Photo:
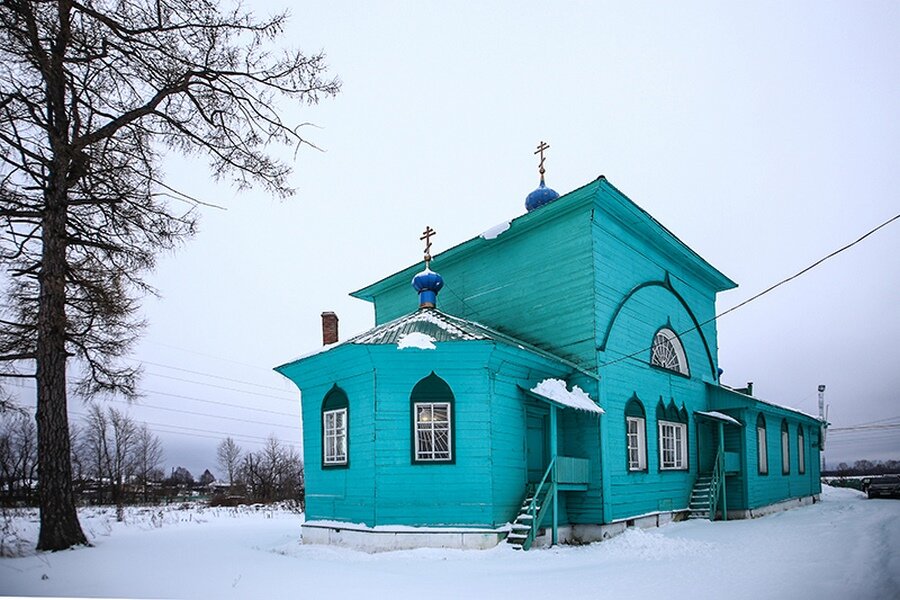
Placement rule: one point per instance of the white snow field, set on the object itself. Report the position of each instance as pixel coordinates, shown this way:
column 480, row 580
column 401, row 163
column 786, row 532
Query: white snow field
column 843, row 547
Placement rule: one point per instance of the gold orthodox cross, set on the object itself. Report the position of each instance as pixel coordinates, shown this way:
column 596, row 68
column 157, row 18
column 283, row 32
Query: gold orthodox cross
column 426, row 235
column 540, row 150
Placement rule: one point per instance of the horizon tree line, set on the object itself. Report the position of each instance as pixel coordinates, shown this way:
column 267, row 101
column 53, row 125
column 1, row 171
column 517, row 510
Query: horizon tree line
column 116, row 460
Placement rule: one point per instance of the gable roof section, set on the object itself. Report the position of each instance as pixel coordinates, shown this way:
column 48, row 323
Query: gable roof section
column 726, row 397
column 644, row 226
column 440, row 327
column 599, row 191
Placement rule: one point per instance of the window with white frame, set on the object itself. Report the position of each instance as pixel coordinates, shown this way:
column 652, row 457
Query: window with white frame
column 801, row 450
column 433, row 432
column 785, row 449
column 672, row 445
column 667, row 352
column 335, row 429
column 637, row 444
column 335, row 436
column 762, row 454
column 433, row 411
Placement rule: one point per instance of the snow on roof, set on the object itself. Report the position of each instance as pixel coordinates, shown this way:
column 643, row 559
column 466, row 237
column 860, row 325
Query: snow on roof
column 577, row 398
column 416, row 339
column 495, row 231
column 714, row 414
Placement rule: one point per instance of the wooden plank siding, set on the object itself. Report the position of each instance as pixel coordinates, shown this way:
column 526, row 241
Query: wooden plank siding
column 343, row 494
column 532, row 283
column 591, row 279
column 763, row 489
column 419, row 494
column 638, row 290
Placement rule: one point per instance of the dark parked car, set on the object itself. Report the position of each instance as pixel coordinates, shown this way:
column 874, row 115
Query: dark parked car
column 884, row 487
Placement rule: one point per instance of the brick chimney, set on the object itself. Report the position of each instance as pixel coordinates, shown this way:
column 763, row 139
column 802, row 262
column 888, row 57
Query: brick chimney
column 329, row 328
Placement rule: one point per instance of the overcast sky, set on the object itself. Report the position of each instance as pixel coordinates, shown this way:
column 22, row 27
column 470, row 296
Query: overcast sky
column 764, row 135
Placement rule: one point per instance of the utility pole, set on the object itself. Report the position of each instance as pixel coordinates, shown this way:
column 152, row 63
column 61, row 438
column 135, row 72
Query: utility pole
column 822, row 419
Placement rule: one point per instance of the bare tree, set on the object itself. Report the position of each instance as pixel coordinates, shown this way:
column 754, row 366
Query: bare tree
column 92, row 94
column 124, row 434
column 110, row 447
column 18, row 455
column 275, row 472
column 93, row 447
column 148, row 454
column 228, row 455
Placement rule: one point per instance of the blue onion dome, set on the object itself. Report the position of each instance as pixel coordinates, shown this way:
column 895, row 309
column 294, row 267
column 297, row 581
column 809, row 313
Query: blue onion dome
column 428, row 284
column 539, row 197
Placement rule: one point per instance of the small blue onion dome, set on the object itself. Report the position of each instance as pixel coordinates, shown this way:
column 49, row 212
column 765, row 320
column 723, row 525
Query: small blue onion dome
column 428, row 284
column 539, row 197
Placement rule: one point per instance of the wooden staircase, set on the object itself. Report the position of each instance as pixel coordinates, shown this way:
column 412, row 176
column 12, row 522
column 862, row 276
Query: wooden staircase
column 700, row 497
column 538, row 498
column 706, row 491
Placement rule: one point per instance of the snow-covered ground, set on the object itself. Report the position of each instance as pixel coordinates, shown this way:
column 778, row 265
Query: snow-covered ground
column 844, row 547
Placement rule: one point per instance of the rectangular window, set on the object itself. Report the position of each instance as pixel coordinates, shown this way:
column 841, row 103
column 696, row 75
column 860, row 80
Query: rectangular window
column 785, row 453
column 432, row 433
column 762, row 454
column 801, row 454
column 672, row 445
column 637, row 446
column 335, row 425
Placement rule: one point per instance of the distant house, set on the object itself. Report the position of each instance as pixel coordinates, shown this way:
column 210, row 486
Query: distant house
column 564, row 387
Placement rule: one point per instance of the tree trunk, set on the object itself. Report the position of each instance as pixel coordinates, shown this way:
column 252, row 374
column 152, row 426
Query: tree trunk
column 59, row 521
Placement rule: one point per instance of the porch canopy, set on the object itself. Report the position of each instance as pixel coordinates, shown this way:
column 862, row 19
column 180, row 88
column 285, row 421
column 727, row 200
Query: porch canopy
column 555, row 393
column 714, row 415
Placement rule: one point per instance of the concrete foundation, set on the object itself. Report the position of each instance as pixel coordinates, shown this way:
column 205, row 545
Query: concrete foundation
column 406, row 538
column 769, row 509
column 384, row 539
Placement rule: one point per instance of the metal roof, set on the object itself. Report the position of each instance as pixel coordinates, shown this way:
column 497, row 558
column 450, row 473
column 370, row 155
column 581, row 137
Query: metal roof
column 439, row 326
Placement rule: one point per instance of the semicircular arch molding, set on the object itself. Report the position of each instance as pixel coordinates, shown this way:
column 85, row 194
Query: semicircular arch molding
column 666, row 285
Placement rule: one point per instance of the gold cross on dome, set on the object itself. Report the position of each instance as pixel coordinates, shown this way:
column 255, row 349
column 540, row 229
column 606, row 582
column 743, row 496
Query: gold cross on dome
column 426, row 235
column 540, row 150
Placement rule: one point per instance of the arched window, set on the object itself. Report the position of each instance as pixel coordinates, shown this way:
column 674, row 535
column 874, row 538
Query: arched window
column 668, row 353
column 432, row 411
column 636, row 435
column 673, row 437
column 762, row 453
column 335, row 429
column 801, row 450
column 785, row 449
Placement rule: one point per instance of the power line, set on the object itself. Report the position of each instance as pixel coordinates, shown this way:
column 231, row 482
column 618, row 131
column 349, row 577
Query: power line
column 768, row 289
column 268, row 369
column 221, row 387
column 273, row 412
column 165, row 366
column 864, row 428
column 253, row 439
column 201, row 414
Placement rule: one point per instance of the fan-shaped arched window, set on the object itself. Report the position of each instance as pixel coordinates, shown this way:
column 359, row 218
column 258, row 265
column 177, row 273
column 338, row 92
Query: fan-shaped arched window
column 785, row 449
column 762, row 454
column 636, row 435
column 668, row 353
column 801, row 450
column 335, row 429
column 432, row 406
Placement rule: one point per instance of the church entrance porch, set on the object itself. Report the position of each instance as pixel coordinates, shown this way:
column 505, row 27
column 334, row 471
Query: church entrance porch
column 717, row 461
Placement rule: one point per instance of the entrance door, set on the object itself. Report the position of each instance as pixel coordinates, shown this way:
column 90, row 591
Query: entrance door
column 537, row 445
column 707, row 445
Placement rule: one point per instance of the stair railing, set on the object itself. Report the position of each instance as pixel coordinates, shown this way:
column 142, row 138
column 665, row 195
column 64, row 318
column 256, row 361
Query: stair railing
column 717, row 480
column 540, row 502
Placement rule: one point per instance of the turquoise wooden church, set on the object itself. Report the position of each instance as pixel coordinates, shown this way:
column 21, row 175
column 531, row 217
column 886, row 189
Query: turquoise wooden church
column 558, row 381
